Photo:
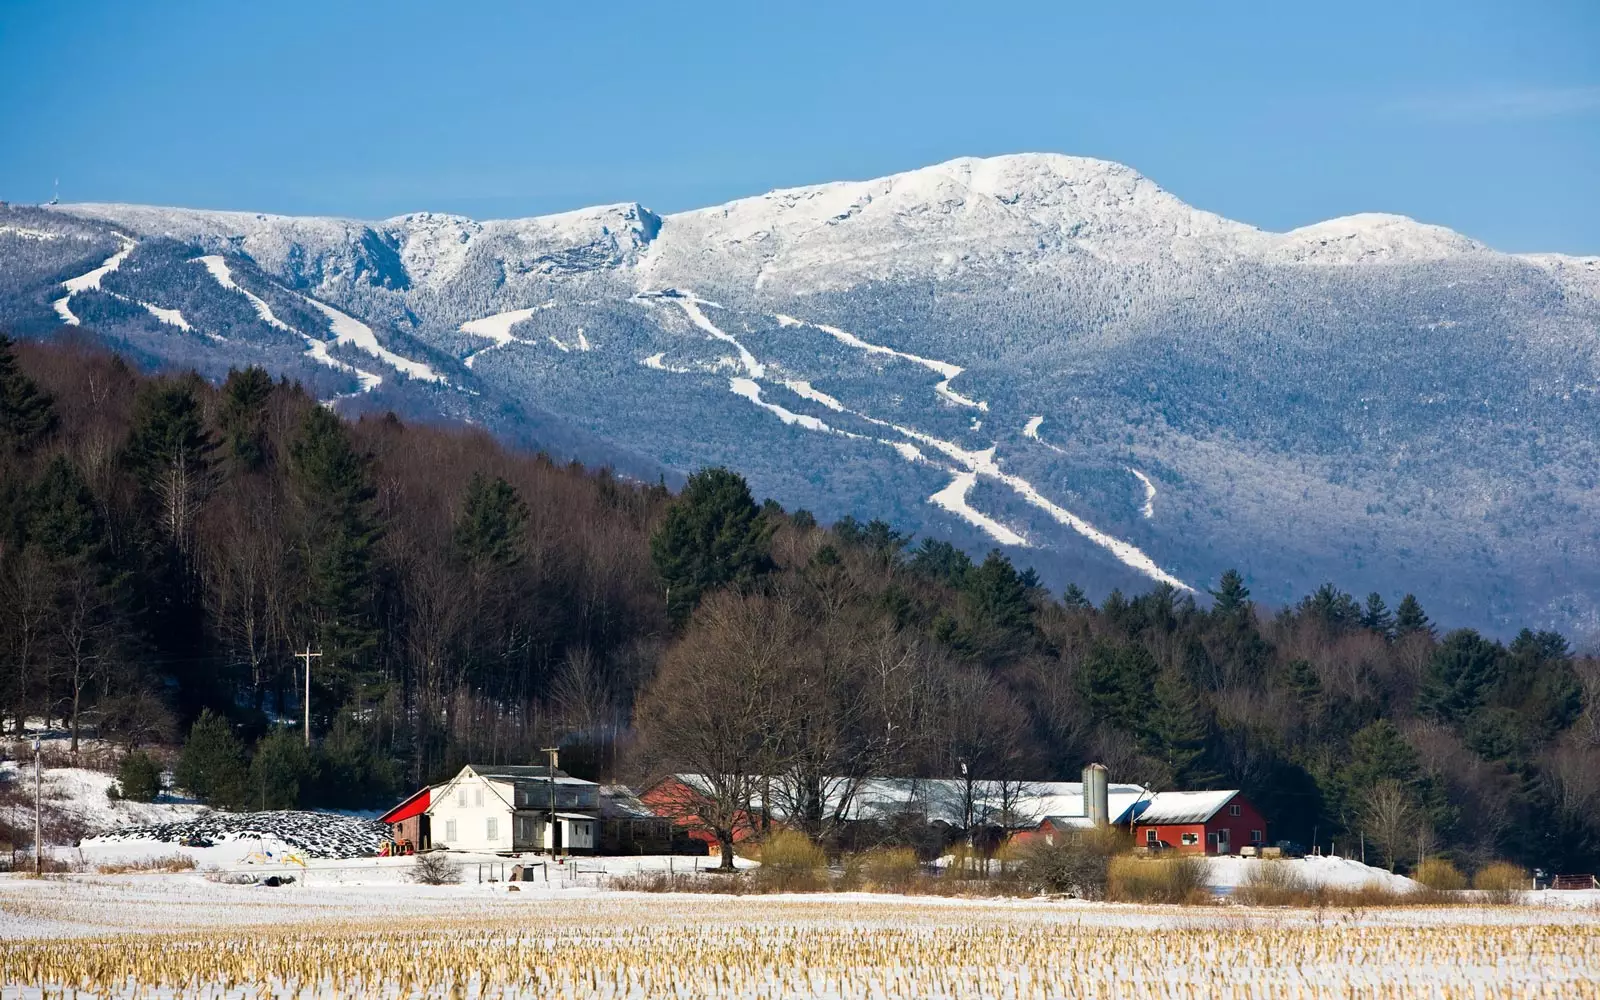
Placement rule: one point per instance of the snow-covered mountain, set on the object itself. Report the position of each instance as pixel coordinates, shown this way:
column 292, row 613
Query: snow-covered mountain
column 1047, row 353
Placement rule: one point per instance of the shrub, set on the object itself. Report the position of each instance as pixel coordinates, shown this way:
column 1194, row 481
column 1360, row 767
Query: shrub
column 1440, row 875
column 1502, row 881
column 1078, row 867
column 890, row 869
column 1133, row 879
column 169, row 863
column 1274, row 883
column 790, row 862
column 435, row 868
column 138, row 778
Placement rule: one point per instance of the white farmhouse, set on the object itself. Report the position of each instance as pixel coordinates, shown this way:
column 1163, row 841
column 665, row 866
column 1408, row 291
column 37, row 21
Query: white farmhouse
column 504, row 809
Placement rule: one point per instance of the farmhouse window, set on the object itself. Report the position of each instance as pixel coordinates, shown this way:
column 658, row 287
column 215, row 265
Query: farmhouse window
column 449, row 831
column 1192, row 838
column 461, row 797
column 477, row 797
column 1151, row 837
column 1256, row 836
column 493, row 831
column 1234, row 810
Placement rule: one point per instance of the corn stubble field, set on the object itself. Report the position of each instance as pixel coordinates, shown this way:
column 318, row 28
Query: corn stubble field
column 616, row 946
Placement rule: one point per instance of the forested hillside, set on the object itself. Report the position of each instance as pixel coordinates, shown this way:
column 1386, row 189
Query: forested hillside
column 167, row 546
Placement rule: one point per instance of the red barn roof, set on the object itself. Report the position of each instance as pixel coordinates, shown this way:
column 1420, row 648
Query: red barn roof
column 416, row 804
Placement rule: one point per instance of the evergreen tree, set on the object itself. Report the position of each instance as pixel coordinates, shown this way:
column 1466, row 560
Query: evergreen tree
column 1302, row 679
column 1175, row 731
column 138, row 777
column 280, row 768
column 713, row 536
column 941, row 561
column 1409, row 619
column 212, row 763
column 333, row 485
column 64, row 520
column 169, row 453
column 1336, row 610
column 1117, row 682
column 27, row 413
column 242, row 416
column 1376, row 617
column 1231, row 597
column 489, row 529
column 1463, row 671
column 1074, row 597
column 998, row 598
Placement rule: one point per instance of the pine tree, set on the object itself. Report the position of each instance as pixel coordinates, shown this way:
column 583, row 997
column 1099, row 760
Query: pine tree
column 27, row 413
column 1409, row 619
column 333, row 485
column 1118, row 683
column 1231, row 597
column 489, row 530
column 941, row 561
column 212, row 762
column 1175, row 731
column 1074, row 597
column 1463, row 671
column 242, row 416
column 998, row 597
column 1376, row 617
column 64, row 520
column 713, row 536
column 280, row 768
column 169, row 452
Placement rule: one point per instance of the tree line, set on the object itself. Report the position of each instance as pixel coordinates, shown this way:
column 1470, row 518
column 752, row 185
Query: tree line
column 167, row 546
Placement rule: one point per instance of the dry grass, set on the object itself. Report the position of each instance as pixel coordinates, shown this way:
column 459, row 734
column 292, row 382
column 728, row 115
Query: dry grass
column 1440, row 875
column 169, row 863
column 715, row 949
column 1501, row 882
column 1180, row 879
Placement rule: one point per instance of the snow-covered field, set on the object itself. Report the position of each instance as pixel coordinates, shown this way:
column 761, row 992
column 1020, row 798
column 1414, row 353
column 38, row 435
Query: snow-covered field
column 180, row 935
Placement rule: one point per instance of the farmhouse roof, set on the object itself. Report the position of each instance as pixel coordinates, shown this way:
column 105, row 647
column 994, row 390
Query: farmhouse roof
column 1182, row 807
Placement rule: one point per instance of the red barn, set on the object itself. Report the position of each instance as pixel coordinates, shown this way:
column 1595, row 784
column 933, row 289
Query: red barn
column 676, row 798
column 408, row 822
column 1199, row 822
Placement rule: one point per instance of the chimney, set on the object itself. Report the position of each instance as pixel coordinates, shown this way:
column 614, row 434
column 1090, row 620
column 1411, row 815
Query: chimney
column 1096, row 794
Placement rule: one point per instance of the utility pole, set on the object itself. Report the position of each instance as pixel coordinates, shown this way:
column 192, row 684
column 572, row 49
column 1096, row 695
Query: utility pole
column 555, row 755
column 308, row 656
column 38, row 815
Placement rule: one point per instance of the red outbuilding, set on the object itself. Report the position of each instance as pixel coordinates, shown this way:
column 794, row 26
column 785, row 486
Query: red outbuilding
column 1199, row 822
column 408, row 823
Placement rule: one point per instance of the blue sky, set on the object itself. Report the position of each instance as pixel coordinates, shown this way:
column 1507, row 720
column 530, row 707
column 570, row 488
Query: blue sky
column 1481, row 116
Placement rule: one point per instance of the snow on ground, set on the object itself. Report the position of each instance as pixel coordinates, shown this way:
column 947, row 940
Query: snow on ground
column 218, row 266
column 691, row 308
column 310, row 834
column 90, row 280
column 79, row 796
column 953, row 498
column 1329, row 871
column 748, row 389
column 1149, row 508
column 171, row 317
column 349, row 330
column 498, row 328
column 945, row 368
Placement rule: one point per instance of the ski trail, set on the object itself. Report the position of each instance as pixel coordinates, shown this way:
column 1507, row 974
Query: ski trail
column 172, row 317
column 1032, row 431
column 691, row 307
column 498, row 329
column 945, row 368
column 349, row 330
column 316, row 350
column 218, row 266
column 1149, row 508
column 750, row 390
column 90, row 281
column 805, row 390
column 953, row 498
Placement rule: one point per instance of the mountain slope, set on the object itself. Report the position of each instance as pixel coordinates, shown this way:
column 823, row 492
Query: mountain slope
column 1043, row 352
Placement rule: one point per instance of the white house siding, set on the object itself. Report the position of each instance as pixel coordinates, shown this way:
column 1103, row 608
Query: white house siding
column 462, row 813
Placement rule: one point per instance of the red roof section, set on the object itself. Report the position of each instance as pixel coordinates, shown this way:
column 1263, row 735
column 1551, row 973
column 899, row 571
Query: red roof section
column 416, row 804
